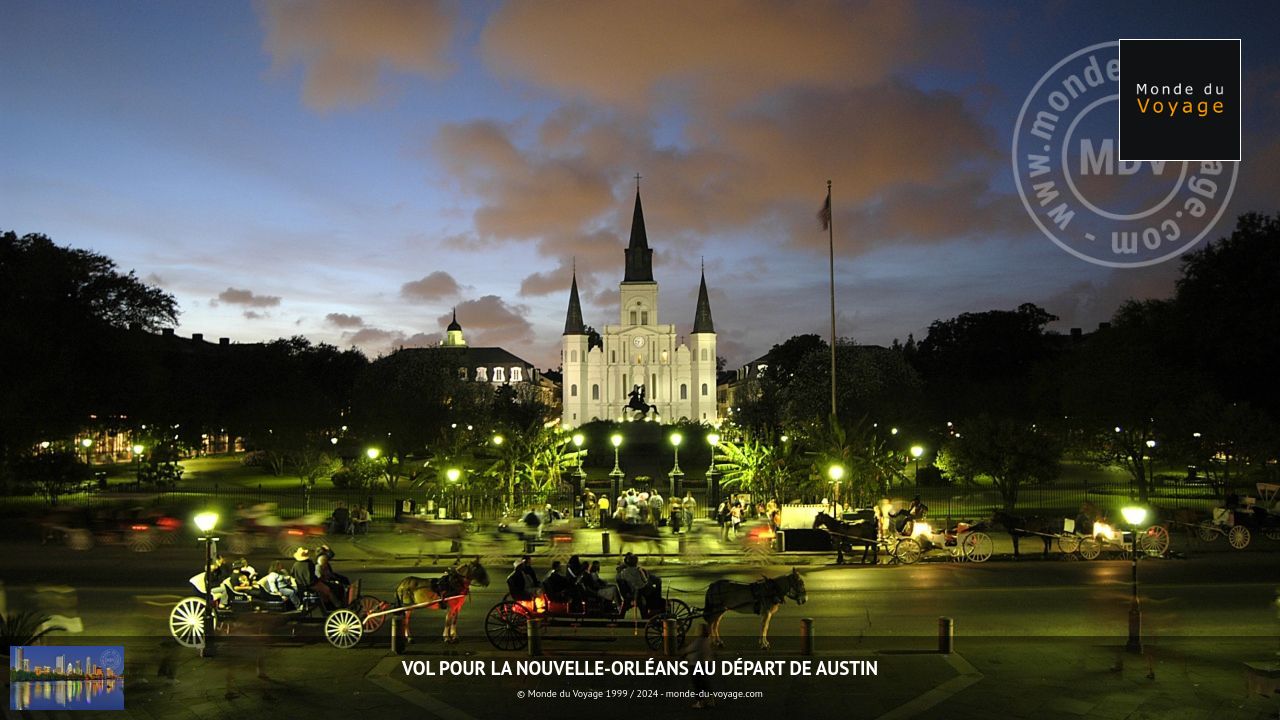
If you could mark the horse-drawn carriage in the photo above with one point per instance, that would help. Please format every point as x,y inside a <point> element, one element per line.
<point>1086,536</point>
<point>1238,520</point>
<point>908,539</point>
<point>343,627</point>
<point>506,625</point>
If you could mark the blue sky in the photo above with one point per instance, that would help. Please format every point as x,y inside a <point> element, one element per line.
<point>291,168</point>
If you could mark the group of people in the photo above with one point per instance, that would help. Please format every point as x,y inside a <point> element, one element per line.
<point>649,508</point>
<point>354,521</point>
<point>316,574</point>
<point>577,581</point>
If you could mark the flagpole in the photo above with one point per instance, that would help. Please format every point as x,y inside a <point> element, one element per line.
<point>831,257</point>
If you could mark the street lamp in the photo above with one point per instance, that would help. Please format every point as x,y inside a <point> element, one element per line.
<point>676,474</point>
<point>615,475</point>
<point>916,452</point>
<point>206,522</point>
<point>1134,516</point>
<point>714,441</point>
<point>497,439</point>
<point>86,444</point>
<point>137,463</point>
<point>578,475</point>
<point>372,453</point>
<point>453,474</point>
<point>836,473</point>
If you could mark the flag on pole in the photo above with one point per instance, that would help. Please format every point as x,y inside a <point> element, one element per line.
<point>824,215</point>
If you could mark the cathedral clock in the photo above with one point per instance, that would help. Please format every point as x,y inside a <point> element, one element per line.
<point>638,341</point>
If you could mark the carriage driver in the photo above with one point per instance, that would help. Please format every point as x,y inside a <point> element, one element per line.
<point>638,585</point>
<point>523,583</point>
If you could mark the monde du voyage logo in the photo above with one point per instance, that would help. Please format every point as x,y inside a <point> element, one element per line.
<point>1143,207</point>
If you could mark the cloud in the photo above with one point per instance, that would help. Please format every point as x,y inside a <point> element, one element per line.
<point>490,320</point>
<point>344,46</point>
<point>435,286</point>
<point>343,320</point>
<point>380,341</point>
<point>722,52</point>
<point>253,315</point>
<point>232,296</point>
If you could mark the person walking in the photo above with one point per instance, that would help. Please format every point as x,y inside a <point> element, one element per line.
<point>657,506</point>
<point>603,505</point>
<point>676,511</point>
<point>690,509</point>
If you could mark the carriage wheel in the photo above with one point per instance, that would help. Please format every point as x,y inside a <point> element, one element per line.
<point>505,626</point>
<point>653,630</point>
<point>978,547</point>
<point>1239,537</point>
<point>908,551</point>
<point>1155,541</point>
<point>681,611</point>
<point>1069,544</point>
<point>240,543</point>
<point>186,622</point>
<point>1272,533</point>
<point>1090,548</point>
<point>1207,533</point>
<point>343,628</point>
<point>141,541</point>
<point>366,604</point>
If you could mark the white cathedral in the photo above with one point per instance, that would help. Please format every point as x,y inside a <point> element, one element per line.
<point>640,358</point>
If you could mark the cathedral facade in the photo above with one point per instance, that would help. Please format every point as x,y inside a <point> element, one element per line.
<point>639,361</point>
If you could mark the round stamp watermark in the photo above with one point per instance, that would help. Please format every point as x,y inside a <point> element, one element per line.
<point>1066,163</point>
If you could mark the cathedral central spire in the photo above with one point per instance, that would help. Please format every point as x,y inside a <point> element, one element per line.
<point>639,255</point>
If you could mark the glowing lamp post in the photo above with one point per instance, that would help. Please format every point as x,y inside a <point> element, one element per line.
<point>87,444</point>
<point>1151,461</point>
<point>676,474</point>
<point>137,463</point>
<point>372,453</point>
<point>578,474</point>
<point>206,522</point>
<point>916,452</point>
<point>836,473</point>
<point>615,475</point>
<point>453,474</point>
<point>498,440</point>
<point>1135,516</point>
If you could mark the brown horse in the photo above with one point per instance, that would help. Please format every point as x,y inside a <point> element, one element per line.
<point>762,597</point>
<point>443,593</point>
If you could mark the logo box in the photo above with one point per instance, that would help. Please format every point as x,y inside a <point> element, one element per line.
<point>66,677</point>
<point>1180,100</point>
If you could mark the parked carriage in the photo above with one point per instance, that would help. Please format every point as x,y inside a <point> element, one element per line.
<point>1238,522</point>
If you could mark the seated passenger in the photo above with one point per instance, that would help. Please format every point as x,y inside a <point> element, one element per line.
<point>557,583</point>
<point>279,584</point>
<point>593,582</point>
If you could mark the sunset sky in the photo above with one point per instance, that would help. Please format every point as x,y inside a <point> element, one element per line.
<point>350,171</point>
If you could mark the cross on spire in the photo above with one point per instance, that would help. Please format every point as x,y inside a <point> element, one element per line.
<point>637,182</point>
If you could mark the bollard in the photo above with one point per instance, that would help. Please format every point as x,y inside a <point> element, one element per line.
<point>397,634</point>
<point>781,539</point>
<point>682,543</point>
<point>604,543</point>
<point>670,637</point>
<point>528,547</point>
<point>806,636</point>
<point>946,635</point>
<point>534,630</point>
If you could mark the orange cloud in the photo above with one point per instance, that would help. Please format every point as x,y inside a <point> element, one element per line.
<point>435,286</point>
<point>345,46</point>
